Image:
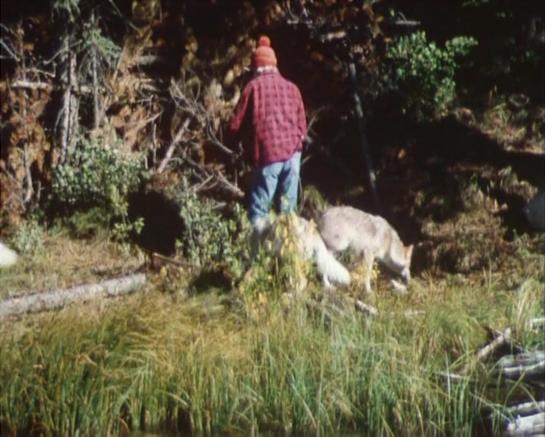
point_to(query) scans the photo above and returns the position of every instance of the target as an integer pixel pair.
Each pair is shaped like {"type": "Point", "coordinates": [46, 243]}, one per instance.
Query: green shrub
{"type": "Point", "coordinates": [95, 176]}
{"type": "Point", "coordinates": [210, 236]}
{"type": "Point", "coordinates": [29, 238]}
{"type": "Point", "coordinates": [423, 73]}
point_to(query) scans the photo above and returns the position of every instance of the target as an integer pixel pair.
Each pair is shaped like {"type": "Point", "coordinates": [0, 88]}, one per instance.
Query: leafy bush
{"type": "Point", "coordinates": [100, 177]}
{"type": "Point", "coordinates": [423, 73]}
{"type": "Point", "coordinates": [29, 238]}
{"type": "Point", "coordinates": [210, 237]}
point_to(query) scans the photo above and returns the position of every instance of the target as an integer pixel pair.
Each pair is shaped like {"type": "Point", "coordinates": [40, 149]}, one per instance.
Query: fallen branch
{"type": "Point", "coordinates": [501, 339]}
{"type": "Point", "coordinates": [59, 298]}
{"type": "Point", "coordinates": [367, 309]}
{"type": "Point", "coordinates": [157, 258]}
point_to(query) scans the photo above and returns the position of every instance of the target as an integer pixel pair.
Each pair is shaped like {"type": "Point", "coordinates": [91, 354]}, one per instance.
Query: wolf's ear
{"type": "Point", "coordinates": [409, 251]}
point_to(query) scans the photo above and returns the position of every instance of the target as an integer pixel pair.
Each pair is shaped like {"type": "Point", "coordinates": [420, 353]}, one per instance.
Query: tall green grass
{"type": "Point", "coordinates": [148, 362]}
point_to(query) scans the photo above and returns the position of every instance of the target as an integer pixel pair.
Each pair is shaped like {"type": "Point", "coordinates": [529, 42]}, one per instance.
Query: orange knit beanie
{"type": "Point", "coordinates": [264, 54]}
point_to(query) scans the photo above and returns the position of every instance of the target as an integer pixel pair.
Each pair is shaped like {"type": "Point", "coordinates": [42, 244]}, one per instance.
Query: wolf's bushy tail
{"type": "Point", "coordinates": [7, 256]}
{"type": "Point", "coordinates": [329, 268]}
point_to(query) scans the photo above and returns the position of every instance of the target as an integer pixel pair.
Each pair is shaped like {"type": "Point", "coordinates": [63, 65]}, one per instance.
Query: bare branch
{"type": "Point", "coordinates": [10, 52]}
{"type": "Point", "coordinates": [37, 85]}
{"type": "Point", "coordinates": [177, 138]}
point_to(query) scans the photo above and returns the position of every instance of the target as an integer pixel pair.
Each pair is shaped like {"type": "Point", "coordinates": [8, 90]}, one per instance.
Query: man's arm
{"type": "Point", "coordinates": [240, 112]}
{"type": "Point", "coordinates": [301, 117]}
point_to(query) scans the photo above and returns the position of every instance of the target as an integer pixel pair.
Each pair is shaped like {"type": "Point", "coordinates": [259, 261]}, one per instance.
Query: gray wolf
{"type": "Point", "coordinates": [367, 236]}
{"type": "Point", "coordinates": [308, 243]}
{"type": "Point", "coordinates": [7, 256]}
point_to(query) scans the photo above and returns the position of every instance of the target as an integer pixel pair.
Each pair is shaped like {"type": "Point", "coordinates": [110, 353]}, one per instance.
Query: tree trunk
{"type": "Point", "coordinates": [69, 110]}
{"type": "Point", "coordinates": [94, 66]}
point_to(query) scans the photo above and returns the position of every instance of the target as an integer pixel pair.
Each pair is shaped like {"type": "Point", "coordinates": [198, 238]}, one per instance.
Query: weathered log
{"type": "Point", "coordinates": [538, 323]}
{"type": "Point", "coordinates": [494, 344]}
{"type": "Point", "coordinates": [526, 419]}
{"type": "Point", "coordinates": [523, 359]}
{"type": "Point", "coordinates": [59, 298]}
{"type": "Point", "coordinates": [527, 408]}
{"type": "Point", "coordinates": [526, 365]}
{"type": "Point", "coordinates": [527, 425]}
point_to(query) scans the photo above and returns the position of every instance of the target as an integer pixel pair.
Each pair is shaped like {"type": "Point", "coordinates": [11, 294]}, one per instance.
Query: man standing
{"type": "Point", "coordinates": [271, 110]}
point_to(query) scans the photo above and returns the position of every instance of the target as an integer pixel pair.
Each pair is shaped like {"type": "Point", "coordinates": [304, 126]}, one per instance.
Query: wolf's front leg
{"type": "Point", "coordinates": [326, 284]}
{"type": "Point", "coordinates": [368, 260]}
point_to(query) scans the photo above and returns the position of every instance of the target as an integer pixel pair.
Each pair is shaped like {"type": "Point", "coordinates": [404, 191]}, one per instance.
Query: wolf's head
{"type": "Point", "coordinates": [400, 260]}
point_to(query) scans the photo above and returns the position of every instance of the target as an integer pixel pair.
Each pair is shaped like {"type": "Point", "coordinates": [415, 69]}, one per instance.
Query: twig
{"type": "Point", "coordinates": [229, 186]}
{"type": "Point", "coordinates": [177, 138]}
{"type": "Point", "coordinates": [10, 52]}
{"type": "Point", "coordinates": [367, 309]}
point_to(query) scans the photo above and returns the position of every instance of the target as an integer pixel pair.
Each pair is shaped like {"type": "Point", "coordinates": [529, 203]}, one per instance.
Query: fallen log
{"type": "Point", "coordinates": [501, 339]}
{"type": "Point", "coordinates": [525, 365]}
{"type": "Point", "coordinates": [527, 425]}
{"type": "Point", "coordinates": [527, 408]}
{"type": "Point", "coordinates": [538, 323]}
{"type": "Point", "coordinates": [59, 298]}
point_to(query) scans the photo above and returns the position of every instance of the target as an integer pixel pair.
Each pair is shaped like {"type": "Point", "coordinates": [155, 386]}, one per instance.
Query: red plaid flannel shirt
{"type": "Point", "coordinates": [272, 107]}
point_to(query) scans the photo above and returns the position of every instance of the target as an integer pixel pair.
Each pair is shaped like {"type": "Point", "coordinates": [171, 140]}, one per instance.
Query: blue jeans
{"type": "Point", "coordinates": [279, 176]}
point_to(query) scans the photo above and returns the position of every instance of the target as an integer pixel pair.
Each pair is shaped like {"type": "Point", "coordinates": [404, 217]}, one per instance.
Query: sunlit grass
{"type": "Point", "coordinates": [62, 261]}
{"type": "Point", "coordinates": [203, 365]}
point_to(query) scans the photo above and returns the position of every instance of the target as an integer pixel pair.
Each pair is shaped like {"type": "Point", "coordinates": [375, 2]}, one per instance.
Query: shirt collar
{"type": "Point", "coordinates": [266, 69]}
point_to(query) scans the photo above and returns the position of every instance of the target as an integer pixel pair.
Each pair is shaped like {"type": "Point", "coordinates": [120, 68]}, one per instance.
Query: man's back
{"type": "Point", "coordinates": [274, 107]}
